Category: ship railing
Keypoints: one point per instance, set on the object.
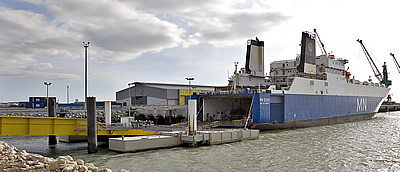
(312, 76)
(366, 83)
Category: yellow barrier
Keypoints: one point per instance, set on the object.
(20, 125)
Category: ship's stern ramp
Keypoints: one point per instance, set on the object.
(263, 107)
(225, 107)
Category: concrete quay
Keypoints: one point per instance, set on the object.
(181, 138)
(389, 107)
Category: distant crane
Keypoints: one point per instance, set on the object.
(321, 45)
(382, 79)
(396, 63)
(371, 62)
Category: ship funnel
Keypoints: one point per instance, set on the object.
(307, 55)
(255, 57)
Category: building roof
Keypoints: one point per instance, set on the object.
(171, 85)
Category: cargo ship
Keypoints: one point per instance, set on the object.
(306, 91)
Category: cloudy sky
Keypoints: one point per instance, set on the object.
(166, 41)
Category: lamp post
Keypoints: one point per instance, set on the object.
(130, 102)
(190, 87)
(86, 45)
(67, 94)
(47, 92)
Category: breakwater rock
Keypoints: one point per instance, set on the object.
(12, 159)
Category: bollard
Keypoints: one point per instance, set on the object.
(91, 124)
(192, 106)
(51, 112)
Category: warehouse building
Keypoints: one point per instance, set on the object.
(142, 93)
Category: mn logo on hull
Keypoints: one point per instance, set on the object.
(361, 104)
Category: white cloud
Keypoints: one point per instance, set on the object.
(45, 43)
(25, 36)
(120, 31)
(23, 67)
(115, 28)
(29, 40)
(220, 23)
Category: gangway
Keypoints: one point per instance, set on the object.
(22, 125)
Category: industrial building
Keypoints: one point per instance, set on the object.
(142, 93)
(36, 102)
(41, 102)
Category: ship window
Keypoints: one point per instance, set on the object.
(283, 65)
(326, 84)
(311, 82)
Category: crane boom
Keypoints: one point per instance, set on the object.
(371, 62)
(395, 61)
(321, 45)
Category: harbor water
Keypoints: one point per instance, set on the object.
(369, 145)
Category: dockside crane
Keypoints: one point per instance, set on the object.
(382, 79)
(395, 62)
(321, 45)
(371, 62)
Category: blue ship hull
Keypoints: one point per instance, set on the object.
(280, 111)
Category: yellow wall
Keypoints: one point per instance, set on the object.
(185, 92)
(22, 125)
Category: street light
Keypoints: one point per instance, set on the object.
(190, 88)
(130, 102)
(86, 45)
(47, 92)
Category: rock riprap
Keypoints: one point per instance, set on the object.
(12, 159)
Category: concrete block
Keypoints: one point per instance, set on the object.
(191, 139)
(227, 136)
(246, 134)
(72, 138)
(254, 134)
(235, 135)
(132, 144)
(216, 137)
